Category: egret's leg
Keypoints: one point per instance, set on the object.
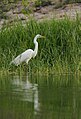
(28, 65)
(27, 61)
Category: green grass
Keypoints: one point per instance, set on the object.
(58, 53)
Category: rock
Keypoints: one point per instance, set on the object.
(44, 11)
(5, 8)
(37, 9)
(22, 17)
(38, 16)
(18, 10)
(10, 14)
(1, 23)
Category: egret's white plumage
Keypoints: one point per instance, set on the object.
(28, 54)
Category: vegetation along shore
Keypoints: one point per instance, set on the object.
(59, 52)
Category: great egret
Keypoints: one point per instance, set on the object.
(28, 54)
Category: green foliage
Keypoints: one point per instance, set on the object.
(73, 1)
(38, 3)
(42, 2)
(60, 50)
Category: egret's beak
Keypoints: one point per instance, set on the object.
(42, 36)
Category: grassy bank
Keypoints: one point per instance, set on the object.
(60, 52)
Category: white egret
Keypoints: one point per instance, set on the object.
(28, 54)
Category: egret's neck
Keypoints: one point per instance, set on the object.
(36, 47)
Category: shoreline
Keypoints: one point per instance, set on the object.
(17, 13)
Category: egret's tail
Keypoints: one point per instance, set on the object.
(13, 62)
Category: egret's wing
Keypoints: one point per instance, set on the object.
(23, 57)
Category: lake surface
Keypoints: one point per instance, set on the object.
(40, 97)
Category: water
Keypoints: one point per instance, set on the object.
(40, 97)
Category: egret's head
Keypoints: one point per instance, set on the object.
(39, 36)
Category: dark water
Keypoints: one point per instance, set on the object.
(40, 97)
